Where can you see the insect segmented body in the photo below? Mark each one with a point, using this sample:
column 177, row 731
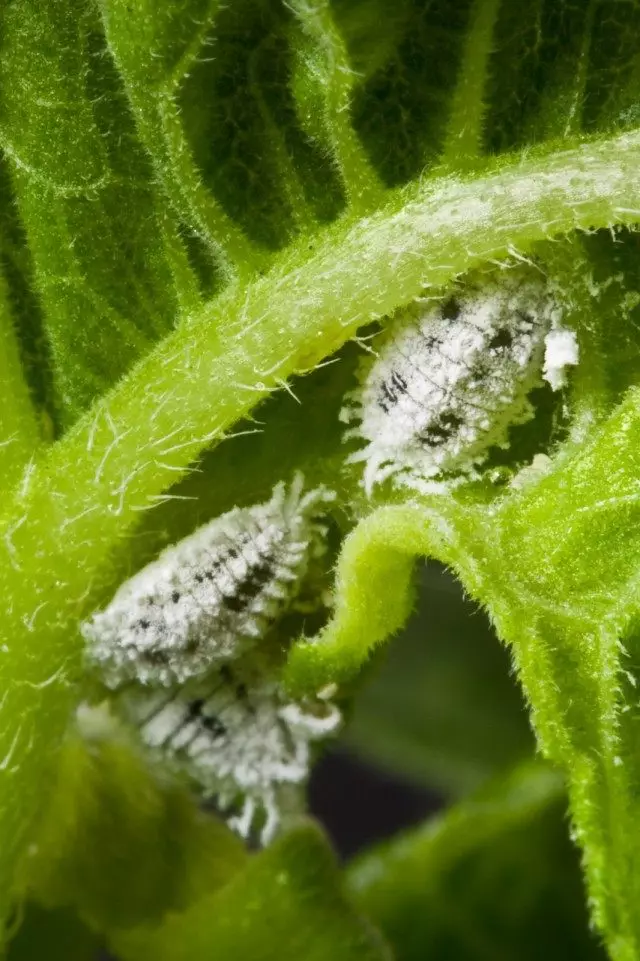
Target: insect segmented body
column 237, row 736
column 447, row 382
column 208, row 598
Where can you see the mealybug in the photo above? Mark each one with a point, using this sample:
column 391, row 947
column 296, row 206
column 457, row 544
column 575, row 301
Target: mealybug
column 446, row 382
column 208, row 598
column 237, row 737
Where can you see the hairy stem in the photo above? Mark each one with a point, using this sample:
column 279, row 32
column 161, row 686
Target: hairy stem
column 329, row 69
column 373, row 592
column 464, row 134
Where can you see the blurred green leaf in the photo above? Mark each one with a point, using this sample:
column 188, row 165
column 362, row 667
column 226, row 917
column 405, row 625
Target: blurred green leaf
column 494, row 879
column 120, row 845
column 287, row 905
column 57, row 935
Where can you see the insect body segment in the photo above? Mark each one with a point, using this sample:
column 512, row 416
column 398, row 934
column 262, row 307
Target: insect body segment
column 448, row 382
column 207, row 599
column 238, row 737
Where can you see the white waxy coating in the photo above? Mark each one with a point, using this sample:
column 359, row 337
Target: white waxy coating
column 237, row 737
column 561, row 351
column 448, row 381
column 211, row 596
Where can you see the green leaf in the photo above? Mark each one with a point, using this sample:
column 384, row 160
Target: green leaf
column 538, row 560
column 83, row 188
column 287, row 905
column 120, row 846
column 155, row 51
column 323, row 87
column 562, row 68
column 56, row 935
column 495, row 877
column 575, row 649
column 469, row 103
column 24, row 309
column 404, row 103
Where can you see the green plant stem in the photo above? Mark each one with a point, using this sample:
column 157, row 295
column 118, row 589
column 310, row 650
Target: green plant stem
column 463, row 142
column 370, row 607
column 85, row 496
column 19, row 431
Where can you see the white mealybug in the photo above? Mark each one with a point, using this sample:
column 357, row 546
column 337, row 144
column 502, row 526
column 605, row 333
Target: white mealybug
column 238, row 737
column 447, row 381
column 208, row 598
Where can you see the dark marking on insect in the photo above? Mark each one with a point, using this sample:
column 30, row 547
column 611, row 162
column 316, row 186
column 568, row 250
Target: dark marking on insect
column 451, row 309
column 443, row 429
column 502, row 338
column 214, row 725
column 155, row 656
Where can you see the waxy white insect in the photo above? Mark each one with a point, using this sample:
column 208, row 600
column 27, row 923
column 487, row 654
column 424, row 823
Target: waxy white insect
column 207, row 599
column 447, row 381
column 238, row 737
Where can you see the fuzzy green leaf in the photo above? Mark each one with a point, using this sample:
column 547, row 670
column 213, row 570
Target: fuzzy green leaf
column 538, row 560
column 155, row 51
column 323, row 87
column 83, row 189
